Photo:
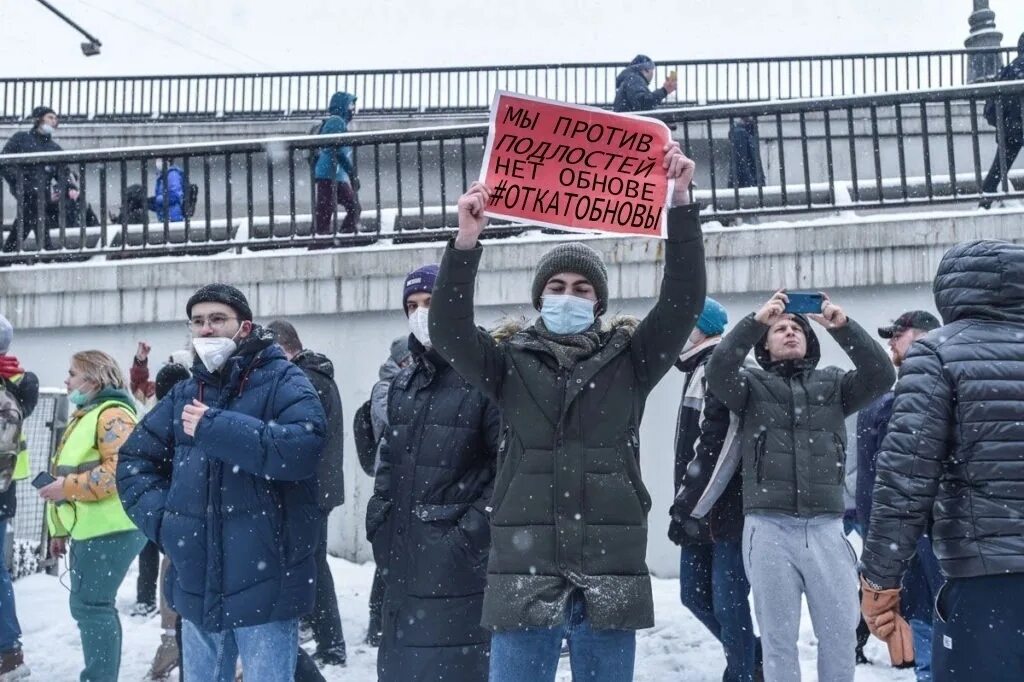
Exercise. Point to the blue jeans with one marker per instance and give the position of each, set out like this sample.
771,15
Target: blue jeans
10,631
922,630
531,654
268,652
713,586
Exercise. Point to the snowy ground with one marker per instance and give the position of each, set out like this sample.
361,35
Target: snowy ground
677,648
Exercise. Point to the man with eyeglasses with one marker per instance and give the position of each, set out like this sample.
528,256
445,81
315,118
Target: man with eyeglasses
221,475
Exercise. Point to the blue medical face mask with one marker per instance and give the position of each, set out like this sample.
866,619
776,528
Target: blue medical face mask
565,314
77,398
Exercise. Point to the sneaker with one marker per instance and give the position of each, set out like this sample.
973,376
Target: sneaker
12,666
336,655
142,610
166,660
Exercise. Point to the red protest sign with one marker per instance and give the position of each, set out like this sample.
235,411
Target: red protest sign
575,167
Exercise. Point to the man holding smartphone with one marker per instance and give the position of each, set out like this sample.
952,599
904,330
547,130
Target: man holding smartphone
793,440
631,93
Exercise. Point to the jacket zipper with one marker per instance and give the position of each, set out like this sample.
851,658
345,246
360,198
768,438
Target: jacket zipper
759,456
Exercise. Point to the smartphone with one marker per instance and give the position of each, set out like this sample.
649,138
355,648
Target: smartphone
42,480
804,302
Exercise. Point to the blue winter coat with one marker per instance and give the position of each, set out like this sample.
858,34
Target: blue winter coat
337,122
174,204
234,508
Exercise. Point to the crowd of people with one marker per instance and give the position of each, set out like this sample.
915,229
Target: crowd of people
509,516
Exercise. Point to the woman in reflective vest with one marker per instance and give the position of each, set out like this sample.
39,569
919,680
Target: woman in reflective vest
84,505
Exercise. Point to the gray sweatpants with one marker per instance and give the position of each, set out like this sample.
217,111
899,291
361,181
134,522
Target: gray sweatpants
787,557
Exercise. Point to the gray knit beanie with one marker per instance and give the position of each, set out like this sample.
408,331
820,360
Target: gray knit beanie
6,335
573,257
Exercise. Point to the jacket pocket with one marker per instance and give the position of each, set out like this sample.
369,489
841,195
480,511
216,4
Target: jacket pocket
506,472
759,463
840,458
945,602
632,465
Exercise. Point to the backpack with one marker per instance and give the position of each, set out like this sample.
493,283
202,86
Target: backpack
313,153
12,419
366,443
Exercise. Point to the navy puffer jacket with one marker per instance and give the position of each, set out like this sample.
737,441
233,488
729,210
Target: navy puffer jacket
234,508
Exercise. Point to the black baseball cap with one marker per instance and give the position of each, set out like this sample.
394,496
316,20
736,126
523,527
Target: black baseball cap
914,319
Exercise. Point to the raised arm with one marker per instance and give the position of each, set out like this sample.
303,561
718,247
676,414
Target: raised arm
472,352
662,334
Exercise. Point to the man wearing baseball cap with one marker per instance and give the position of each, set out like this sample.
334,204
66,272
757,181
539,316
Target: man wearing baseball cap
221,474
923,578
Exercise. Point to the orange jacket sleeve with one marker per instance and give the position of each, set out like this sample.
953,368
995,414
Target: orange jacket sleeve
112,430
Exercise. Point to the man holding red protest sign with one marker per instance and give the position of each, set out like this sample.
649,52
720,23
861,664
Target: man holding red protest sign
569,508
575,167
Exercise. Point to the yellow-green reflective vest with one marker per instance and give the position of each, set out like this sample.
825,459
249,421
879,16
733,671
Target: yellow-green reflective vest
83,520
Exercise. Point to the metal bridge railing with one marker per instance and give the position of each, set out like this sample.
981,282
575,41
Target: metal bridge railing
304,94
874,152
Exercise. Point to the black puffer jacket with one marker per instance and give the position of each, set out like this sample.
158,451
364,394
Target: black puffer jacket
794,429
954,448
632,93
36,178
330,475
570,508
706,430
428,525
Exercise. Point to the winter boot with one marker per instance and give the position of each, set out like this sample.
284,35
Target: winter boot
12,666
167,658
142,610
335,655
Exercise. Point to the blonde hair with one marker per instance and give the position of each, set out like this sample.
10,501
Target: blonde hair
99,368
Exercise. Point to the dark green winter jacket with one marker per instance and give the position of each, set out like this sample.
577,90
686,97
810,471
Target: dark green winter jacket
569,509
794,430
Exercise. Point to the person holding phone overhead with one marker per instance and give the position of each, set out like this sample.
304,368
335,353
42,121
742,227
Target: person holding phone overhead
793,443
631,93
84,505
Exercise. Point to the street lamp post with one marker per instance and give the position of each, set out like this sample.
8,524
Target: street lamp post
985,38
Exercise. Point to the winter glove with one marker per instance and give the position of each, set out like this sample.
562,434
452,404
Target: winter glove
356,185
881,610
9,366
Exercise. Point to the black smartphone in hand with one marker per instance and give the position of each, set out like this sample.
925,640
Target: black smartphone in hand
42,480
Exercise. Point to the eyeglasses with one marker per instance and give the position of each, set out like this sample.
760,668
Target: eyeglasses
216,322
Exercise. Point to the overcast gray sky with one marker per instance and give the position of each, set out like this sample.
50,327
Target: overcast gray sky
156,36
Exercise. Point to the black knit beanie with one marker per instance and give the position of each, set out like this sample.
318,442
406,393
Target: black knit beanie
168,376
221,293
577,258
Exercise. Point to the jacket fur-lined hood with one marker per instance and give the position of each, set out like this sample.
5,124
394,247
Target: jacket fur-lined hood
509,326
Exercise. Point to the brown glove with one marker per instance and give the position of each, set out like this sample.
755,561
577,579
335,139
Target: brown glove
881,609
